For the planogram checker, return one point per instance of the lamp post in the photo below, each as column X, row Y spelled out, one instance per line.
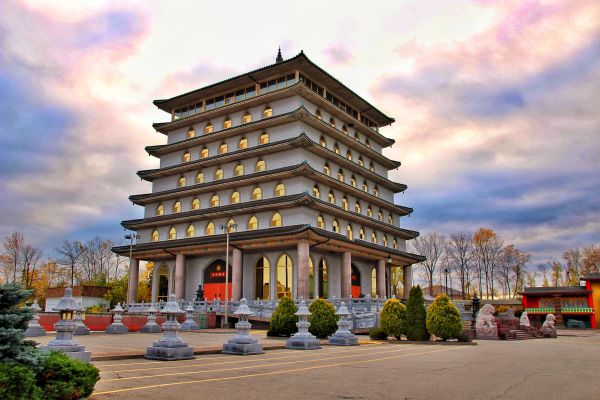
column 446, row 276
column 130, row 237
column 226, row 229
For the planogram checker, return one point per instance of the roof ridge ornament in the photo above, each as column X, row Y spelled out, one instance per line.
column 279, row 58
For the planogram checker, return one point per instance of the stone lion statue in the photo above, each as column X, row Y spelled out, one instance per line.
column 486, row 322
column 549, row 326
column 524, row 320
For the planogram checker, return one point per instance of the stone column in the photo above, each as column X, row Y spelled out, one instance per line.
column 236, row 274
column 134, row 271
column 346, row 275
column 303, row 254
column 380, row 278
column 407, row 279
column 180, row 276
column 154, row 283
column 171, row 284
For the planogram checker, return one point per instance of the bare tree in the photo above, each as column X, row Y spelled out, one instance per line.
column 12, row 253
column 590, row 259
column 556, row 268
column 572, row 258
column 530, row 277
column 30, row 257
column 70, row 254
column 459, row 249
column 430, row 245
column 487, row 249
column 543, row 268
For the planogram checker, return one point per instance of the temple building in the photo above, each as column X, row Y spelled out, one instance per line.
column 289, row 161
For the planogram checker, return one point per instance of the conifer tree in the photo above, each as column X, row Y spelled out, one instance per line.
column 416, row 314
column 13, row 321
column 283, row 320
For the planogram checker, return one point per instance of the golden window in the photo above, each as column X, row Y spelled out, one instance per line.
column 322, row 141
column 367, row 143
column 395, row 243
column 247, row 118
column 385, row 242
column 264, row 138
column 243, row 143
column 380, row 215
column 357, row 207
column 276, row 219
column 345, row 129
column 219, row 174
column 172, row 233
column 336, row 226
column 369, row 211
column 376, row 191
column 316, row 191
column 390, row 219
column 331, row 197
column 227, row 123
column 195, row 204
column 320, row 222
column 187, row 157
column 235, row 197
column 160, row 210
column 349, row 232
column 326, row 169
column 210, row 229
column 361, row 162
column 232, row 225
column 204, row 152
column 260, row 165
column 208, row 128
column 365, row 186
column 332, row 122
column 318, row 114
column 191, row 133
column 155, row 235
column 268, row 112
column 182, row 181
column 341, row 175
column 336, row 148
column 353, row 181
column 177, row 206
column 361, row 234
column 257, row 193
column 252, row 223
column 345, row 203
column 374, row 237
column 372, row 166
column 191, row 231
column 349, row 155
column 214, row 201
column 223, row 148
column 356, row 136
column 239, row 170
column 280, row 190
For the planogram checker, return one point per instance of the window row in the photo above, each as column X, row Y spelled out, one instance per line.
column 219, row 174
column 357, row 206
column 209, row 229
column 335, row 227
column 224, row 148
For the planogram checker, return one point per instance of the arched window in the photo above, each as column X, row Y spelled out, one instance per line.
column 349, row 155
column 280, row 190
column 252, row 223
column 316, row 192
column 243, row 143
column 355, row 281
column 340, row 175
column 395, row 243
column 361, row 162
column 361, row 233
column 191, row 133
column 326, row 169
column 195, row 204
column 200, row 177
column 353, row 181
column 177, row 206
column 182, row 181
column 365, row 186
column 268, row 112
column 172, row 233
column 204, row 152
column 257, row 193
column 385, row 242
column 349, row 232
column 345, row 203
column 219, row 174
column 320, row 222
column 187, row 157
column 247, row 118
column 227, row 123
column 232, row 225
column 332, row 122
column 260, row 165
column 155, row 235
column 235, row 197
column 210, row 229
column 345, row 129
column 390, row 219
column 323, row 279
column 373, row 282
column 160, row 210
column 262, row 279
column 223, row 148
column 276, row 219
column 191, row 231
column 369, row 211
column 357, row 207
column 264, row 138
column 208, row 128
column 331, row 197
column 318, row 114
column 239, row 170
column 376, row 191
column 336, row 148
column 372, row 166
column 336, row 226
column 322, row 141
column 367, row 143
column 374, row 237
column 356, row 136
column 380, row 215
column 284, row 276
column 214, row 201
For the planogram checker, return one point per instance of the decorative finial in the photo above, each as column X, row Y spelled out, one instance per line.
column 279, row 57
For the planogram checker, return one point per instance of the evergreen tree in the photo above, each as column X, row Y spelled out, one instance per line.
column 393, row 318
column 322, row 318
column 443, row 318
column 283, row 320
column 13, row 321
column 416, row 315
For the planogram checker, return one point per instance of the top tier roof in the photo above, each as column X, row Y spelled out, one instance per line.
column 300, row 62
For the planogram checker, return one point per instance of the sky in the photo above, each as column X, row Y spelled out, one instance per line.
column 497, row 104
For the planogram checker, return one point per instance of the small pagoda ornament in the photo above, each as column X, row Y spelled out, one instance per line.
column 151, row 326
column 117, row 327
column 303, row 339
column 189, row 324
column 33, row 326
column 81, row 329
column 343, row 336
column 243, row 343
column 170, row 346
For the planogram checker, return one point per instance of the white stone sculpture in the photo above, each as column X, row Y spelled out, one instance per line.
column 486, row 327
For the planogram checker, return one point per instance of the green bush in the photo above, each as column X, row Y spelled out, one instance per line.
column 377, row 334
column 393, row 318
column 416, row 315
column 17, row 382
column 283, row 320
column 443, row 318
column 463, row 337
column 13, row 321
column 323, row 321
column 63, row 378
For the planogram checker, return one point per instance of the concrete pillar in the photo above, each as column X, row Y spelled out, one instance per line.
column 303, row 254
column 236, row 274
column 346, row 275
column 380, row 268
column 171, row 284
column 154, row 283
column 180, row 276
column 134, row 272
column 407, row 279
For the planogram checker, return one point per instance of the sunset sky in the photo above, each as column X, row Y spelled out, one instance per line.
column 497, row 104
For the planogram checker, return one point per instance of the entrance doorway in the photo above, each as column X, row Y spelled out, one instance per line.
column 214, row 281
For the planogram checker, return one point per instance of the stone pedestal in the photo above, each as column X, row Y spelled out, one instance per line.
column 170, row 347
column 343, row 336
column 189, row 324
column 80, row 328
column 243, row 343
column 117, row 326
column 303, row 339
column 151, row 326
column 64, row 330
column 33, row 326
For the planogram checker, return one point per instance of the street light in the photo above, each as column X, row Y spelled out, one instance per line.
column 226, row 229
column 446, row 275
column 130, row 237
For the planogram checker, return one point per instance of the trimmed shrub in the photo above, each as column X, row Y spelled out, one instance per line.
column 17, row 382
column 377, row 334
column 416, row 315
column 63, row 378
column 443, row 318
column 323, row 321
column 393, row 318
column 283, row 320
